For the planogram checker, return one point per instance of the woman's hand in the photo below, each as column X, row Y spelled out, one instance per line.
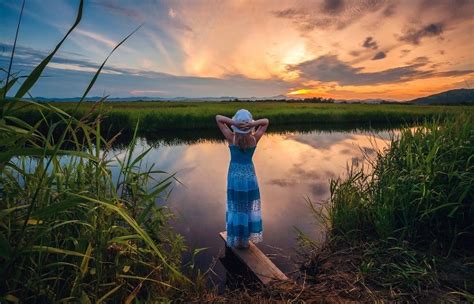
column 244, row 126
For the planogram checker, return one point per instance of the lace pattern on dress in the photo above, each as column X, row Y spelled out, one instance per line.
column 234, row 241
column 233, row 206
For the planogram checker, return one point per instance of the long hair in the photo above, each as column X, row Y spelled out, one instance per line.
column 244, row 141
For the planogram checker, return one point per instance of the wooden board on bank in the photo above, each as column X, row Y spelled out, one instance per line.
column 257, row 262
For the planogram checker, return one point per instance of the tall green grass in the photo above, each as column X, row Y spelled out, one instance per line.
column 409, row 219
column 420, row 189
column 159, row 116
column 78, row 233
column 71, row 230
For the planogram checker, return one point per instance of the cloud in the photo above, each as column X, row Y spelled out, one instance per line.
column 339, row 14
column 28, row 58
column 333, row 6
column 336, row 14
column 147, row 92
column 67, row 77
column 305, row 21
column 414, row 35
column 97, row 37
column 452, row 9
column 125, row 11
column 329, row 68
column 151, row 13
column 196, row 43
column 379, row 55
column 289, row 13
column 369, row 42
column 404, row 52
column 172, row 13
column 390, row 9
column 419, row 59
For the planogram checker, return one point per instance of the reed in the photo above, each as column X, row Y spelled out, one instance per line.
column 158, row 116
column 407, row 223
column 77, row 223
column 420, row 189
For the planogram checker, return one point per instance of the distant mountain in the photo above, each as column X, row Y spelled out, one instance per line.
column 458, row 96
column 145, row 98
column 366, row 101
column 454, row 97
column 96, row 98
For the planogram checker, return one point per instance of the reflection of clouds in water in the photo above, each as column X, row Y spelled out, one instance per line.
column 321, row 140
column 368, row 151
column 282, row 182
column 320, row 189
column 314, row 180
column 345, row 151
column 305, row 174
column 183, row 172
column 316, row 157
column 326, row 140
column 356, row 161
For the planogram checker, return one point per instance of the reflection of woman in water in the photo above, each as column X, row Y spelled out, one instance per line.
column 243, row 215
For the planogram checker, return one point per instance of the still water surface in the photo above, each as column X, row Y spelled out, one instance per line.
column 291, row 167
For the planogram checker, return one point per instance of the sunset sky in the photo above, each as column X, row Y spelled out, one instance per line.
column 342, row 49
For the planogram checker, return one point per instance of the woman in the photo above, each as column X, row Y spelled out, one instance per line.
column 243, row 215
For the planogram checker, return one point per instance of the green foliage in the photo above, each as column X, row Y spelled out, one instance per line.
column 70, row 229
column 157, row 116
column 411, row 216
column 76, row 232
column 420, row 189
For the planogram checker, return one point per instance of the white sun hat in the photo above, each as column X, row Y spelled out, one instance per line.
column 242, row 115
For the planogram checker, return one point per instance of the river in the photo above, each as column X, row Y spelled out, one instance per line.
column 292, row 167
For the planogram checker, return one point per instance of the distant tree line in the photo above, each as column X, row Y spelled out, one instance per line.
column 292, row 100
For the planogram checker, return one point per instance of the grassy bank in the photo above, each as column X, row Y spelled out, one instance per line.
column 159, row 116
column 404, row 231
column 70, row 231
column 77, row 224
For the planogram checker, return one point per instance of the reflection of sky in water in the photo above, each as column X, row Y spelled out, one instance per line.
column 290, row 168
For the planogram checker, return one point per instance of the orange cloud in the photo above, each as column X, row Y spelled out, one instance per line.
column 399, row 91
column 263, row 40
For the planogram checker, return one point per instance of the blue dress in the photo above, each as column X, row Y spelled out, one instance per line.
column 243, row 215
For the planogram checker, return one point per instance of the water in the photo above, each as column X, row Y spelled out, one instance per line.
column 291, row 167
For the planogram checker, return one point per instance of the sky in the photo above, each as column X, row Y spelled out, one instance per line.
column 343, row 49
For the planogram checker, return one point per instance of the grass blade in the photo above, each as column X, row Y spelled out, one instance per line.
column 38, row 70
column 13, row 52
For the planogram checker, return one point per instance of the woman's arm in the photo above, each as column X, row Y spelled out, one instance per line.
column 262, row 125
column 223, row 123
column 225, row 120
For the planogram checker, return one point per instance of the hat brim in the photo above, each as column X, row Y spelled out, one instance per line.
column 237, row 130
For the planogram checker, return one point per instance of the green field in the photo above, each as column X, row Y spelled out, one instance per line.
column 155, row 116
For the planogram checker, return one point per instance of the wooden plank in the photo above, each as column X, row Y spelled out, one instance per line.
column 257, row 262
